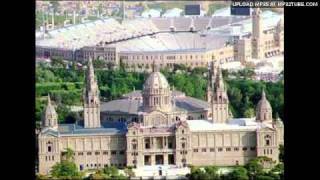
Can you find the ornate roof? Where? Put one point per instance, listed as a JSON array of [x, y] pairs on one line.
[[156, 80], [263, 104], [50, 108]]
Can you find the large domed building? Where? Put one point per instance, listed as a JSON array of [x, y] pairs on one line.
[[159, 127]]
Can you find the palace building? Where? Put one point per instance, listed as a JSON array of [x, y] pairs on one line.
[[159, 126]]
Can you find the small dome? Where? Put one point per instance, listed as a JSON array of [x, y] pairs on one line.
[[263, 104], [156, 80]]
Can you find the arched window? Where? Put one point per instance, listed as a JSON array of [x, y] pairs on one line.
[[49, 146], [267, 140]]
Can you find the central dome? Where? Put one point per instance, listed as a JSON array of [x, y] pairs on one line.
[[156, 93], [156, 80]]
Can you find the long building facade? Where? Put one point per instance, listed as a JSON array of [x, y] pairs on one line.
[[159, 126], [137, 43]]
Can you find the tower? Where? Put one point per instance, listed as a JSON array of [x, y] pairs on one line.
[[210, 84], [50, 116], [264, 110], [220, 101], [156, 92], [91, 102], [257, 34]]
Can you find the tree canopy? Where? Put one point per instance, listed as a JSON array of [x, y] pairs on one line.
[[66, 87]]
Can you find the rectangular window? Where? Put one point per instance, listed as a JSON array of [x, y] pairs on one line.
[[236, 149], [80, 153], [253, 148], [121, 152], [97, 153], [220, 149], [113, 152], [204, 150], [244, 148], [105, 152], [195, 150], [211, 149], [228, 149], [89, 153]]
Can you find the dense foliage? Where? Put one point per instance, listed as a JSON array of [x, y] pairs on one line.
[[108, 173], [65, 86], [66, 169], [252, 170]]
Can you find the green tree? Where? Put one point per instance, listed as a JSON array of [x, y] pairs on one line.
[[111, 171], [249, 113], [99, 64], [66, 169], [212, 172], [239, 173], [281, 153], [254, 167]]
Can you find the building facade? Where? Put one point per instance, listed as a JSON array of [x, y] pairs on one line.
[[137, 43], [158, 126]]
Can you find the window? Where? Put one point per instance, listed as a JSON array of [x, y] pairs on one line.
[[267, 140], [253, 148], [89, 153], [270, 151], [183, 145], [228, 149], [134, 146], [105, 152], [211, 149], [53, 157], [220, 149], [236, 149], [195, 150], [121, 152], [49, 146], [97, 153], [80, 153], [244, 148], [113, 152], [204, 150]]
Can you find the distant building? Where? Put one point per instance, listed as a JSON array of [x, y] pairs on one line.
[[159, 126], [194, 42], [175, 12], [151, 13]]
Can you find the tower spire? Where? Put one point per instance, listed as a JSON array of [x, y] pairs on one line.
[[220, 101], [50, 117], [91, 99], [263, 94], [220, 83]]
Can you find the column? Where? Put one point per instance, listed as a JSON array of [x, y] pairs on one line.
[[163, 144], [165, 159], [153, 159]]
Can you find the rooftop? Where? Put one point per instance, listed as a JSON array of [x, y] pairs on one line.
[[108, 128], [234, 124]]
